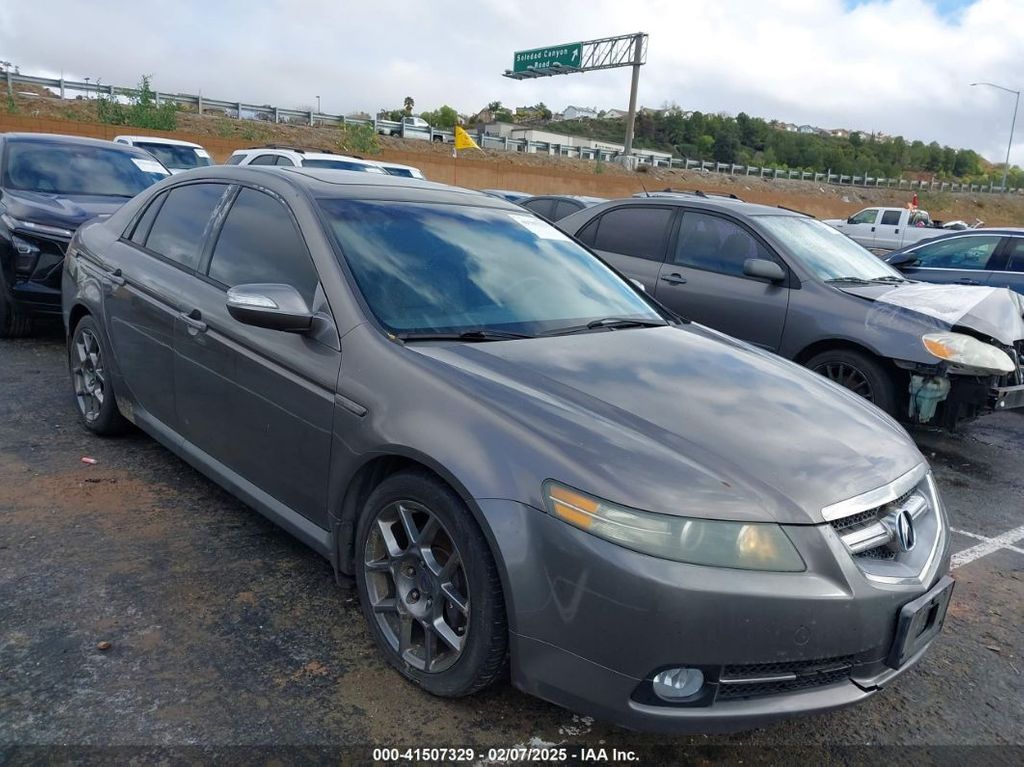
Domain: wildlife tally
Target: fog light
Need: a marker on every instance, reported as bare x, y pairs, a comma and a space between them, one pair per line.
678, 683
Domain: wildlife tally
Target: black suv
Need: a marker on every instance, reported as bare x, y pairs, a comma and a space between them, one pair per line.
49, 185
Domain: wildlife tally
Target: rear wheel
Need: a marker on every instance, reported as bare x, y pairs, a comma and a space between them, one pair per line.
429, 587
860, 373
90, 378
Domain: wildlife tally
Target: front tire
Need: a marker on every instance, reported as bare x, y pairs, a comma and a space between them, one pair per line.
13, 324
88, 359
429, 586
860, 373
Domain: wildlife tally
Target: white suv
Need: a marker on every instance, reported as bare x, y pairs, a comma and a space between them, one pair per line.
300, 158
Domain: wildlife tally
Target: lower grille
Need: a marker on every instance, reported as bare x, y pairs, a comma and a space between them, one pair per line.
755, 680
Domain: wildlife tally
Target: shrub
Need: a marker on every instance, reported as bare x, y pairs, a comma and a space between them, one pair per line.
141, 111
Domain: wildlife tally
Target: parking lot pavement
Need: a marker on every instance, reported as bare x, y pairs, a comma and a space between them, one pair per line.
224, 630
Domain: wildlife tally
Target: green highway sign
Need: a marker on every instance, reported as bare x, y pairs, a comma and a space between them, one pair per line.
568, 55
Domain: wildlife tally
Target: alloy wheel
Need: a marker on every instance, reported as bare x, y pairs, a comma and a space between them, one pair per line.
849, 376
417, 586
89, 374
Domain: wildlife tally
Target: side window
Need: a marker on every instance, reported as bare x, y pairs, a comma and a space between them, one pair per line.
716, 244
565, 208
235, 159
282, 160
259, 242
891, 217
638, 231
145, 221
588, 234
957, 253
1016, 263
545, 208
265, 159
177, 231
864, 217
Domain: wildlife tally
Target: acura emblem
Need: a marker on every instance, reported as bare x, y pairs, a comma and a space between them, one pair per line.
905, 535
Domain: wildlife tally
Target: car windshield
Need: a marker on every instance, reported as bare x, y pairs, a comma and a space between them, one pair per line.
827, 252
177, 156
427, 268
341, 165
37, 166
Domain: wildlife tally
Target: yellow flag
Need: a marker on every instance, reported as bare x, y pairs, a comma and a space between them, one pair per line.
463, 140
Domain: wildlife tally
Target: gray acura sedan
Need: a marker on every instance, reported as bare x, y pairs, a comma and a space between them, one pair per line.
528, 466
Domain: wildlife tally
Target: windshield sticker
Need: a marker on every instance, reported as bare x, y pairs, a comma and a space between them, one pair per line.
543, 230
149, 166
202, 153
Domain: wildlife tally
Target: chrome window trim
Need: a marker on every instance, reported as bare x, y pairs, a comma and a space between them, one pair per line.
872, 499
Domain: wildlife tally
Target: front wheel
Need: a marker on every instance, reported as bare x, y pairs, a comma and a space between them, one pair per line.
13, 324
429, 587
90, 377
860, 373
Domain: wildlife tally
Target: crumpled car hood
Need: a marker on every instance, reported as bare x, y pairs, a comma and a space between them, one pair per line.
994, 312
678, 421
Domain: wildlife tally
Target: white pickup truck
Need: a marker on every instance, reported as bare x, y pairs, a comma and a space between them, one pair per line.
888, 228
414, 128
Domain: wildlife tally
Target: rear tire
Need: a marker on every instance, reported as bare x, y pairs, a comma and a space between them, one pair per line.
88, 360
429, 586
860, 373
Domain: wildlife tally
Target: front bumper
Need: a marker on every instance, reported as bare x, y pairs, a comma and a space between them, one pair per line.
1007, 397
591, 623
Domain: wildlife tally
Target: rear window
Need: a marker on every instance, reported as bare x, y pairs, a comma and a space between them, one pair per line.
342, 165
177, 156
68, 169
235, 159
641, 232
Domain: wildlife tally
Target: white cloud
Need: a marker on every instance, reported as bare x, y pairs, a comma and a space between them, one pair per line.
897, 66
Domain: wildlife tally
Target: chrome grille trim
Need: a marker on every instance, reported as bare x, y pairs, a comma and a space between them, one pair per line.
880, 496
882, 530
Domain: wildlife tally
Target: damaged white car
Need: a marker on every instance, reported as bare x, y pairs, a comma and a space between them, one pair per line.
924, 353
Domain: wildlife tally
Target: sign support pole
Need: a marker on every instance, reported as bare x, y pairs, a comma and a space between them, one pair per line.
631, 117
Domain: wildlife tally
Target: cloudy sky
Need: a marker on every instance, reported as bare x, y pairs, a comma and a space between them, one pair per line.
898, 66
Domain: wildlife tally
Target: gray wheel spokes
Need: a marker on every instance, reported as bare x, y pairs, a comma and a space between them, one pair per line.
89, 378
415, 582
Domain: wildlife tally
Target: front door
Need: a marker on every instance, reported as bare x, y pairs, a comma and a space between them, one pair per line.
704, 280
965, 260
259, 401
861, 227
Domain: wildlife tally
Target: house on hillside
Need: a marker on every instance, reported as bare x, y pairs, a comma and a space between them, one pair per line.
616, 114
839, 133
807, 129
579, 113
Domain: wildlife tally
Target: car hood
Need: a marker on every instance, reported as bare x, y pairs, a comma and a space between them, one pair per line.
994, 312
688, 422
64, 211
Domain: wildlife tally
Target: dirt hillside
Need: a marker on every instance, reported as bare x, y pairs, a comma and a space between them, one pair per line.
537, 174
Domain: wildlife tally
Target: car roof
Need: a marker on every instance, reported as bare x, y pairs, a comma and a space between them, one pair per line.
726, 205
945, 234
578, 197
160, 140
57, 138
350, 184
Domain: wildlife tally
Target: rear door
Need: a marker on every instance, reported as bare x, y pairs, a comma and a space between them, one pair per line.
965, 259
889, 230
633, 238
156, 259
1010, 268
704, 280
259, 401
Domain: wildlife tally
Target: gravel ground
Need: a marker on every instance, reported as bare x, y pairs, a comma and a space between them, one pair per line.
224, 631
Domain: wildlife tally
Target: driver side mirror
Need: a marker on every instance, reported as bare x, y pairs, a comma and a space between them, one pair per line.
638, 285
850, 220
764, 269
902, 259
270, 305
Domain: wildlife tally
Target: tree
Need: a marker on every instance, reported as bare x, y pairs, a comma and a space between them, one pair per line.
409, 104
727, 143
442, 117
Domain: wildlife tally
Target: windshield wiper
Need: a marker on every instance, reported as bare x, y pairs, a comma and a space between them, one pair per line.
479, 334
850, 280
612, 323
890, 279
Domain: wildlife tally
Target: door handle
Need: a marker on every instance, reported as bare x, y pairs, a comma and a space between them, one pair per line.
897, 230
968, 281
193, 321
674, 279
116, 278
872, 229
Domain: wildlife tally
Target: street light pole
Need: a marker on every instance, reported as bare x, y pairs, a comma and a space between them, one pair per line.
1013, 125
318, 105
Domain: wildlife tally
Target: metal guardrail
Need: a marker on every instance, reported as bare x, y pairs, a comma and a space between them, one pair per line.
267, 113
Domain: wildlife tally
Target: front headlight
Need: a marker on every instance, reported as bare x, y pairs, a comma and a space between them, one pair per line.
968, 352
713, 543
